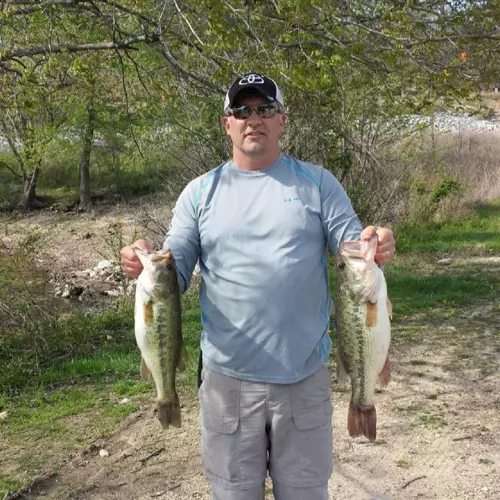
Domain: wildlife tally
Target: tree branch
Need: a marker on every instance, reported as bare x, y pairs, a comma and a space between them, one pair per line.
186, 20
127, 107
12, 146
121, 44
10, 169
38, 6
165, 52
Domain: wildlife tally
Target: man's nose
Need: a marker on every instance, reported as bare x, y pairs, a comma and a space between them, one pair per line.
254, 116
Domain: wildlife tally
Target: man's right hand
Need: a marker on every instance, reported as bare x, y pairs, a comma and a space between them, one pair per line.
131, 265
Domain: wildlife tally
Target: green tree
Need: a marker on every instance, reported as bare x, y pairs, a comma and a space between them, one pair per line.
346, 68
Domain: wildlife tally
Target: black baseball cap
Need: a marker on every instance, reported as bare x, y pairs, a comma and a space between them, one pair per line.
265, 86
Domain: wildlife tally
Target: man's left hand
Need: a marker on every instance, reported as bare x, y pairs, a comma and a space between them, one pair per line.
386, 247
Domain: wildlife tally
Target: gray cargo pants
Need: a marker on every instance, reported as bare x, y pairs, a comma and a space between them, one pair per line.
248, 428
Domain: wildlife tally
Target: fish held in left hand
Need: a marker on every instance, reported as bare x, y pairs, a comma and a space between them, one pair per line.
158, 330
362, 316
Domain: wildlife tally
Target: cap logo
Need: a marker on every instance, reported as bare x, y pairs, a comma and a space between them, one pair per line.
251, 79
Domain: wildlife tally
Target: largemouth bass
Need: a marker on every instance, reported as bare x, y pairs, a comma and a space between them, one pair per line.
158, 330
362, 317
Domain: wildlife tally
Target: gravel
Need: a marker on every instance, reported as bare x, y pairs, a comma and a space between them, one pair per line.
445, 122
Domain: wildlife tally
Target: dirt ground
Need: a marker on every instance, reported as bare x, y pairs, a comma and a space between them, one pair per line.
438, 420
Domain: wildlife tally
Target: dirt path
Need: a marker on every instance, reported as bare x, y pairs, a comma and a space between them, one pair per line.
438, 420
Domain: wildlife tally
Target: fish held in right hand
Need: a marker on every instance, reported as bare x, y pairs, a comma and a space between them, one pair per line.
158, 330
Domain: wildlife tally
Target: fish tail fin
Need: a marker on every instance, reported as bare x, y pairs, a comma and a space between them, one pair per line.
169, 413
385, 375
362, 422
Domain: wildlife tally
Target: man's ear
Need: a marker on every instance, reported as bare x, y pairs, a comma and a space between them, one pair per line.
283, 122
225, 122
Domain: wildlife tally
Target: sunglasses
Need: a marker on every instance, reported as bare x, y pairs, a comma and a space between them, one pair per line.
262, 110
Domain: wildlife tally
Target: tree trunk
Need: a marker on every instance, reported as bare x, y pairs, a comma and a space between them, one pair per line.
84, 167
29, 194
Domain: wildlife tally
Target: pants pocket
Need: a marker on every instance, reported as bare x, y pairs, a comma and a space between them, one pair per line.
310, 401
304, 458
220, 415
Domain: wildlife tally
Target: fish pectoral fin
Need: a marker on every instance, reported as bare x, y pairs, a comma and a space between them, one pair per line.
389, 307
145, 371
181, 365
371, 313
148, 314
384, 376
342, 375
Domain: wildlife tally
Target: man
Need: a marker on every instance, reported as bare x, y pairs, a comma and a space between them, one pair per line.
260, 225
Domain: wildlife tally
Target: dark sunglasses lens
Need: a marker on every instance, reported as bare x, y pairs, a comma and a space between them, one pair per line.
266, 110
242, 112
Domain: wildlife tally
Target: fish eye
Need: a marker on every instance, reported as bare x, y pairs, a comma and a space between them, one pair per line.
170, 267
341, 265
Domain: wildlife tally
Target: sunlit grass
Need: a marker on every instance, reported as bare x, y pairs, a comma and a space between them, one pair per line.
478, 234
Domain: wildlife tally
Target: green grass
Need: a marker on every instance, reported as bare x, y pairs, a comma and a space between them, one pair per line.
479, 233
63, 195
85, 348
402, 463
8, 485
431, 420
62, 382
414, 288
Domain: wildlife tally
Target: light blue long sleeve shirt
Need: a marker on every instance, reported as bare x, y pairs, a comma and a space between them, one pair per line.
261, 238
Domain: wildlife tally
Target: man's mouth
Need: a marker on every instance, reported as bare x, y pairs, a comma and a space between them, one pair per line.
254, 134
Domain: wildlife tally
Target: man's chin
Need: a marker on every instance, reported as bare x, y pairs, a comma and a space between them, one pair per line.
254, 150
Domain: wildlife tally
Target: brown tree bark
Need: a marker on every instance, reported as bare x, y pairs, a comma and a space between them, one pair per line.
84, 166
29, 201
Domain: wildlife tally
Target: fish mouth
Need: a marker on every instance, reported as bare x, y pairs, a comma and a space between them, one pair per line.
163, 255
351, 249
164, 258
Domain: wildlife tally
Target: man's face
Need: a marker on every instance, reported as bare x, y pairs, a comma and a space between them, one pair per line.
255, 136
